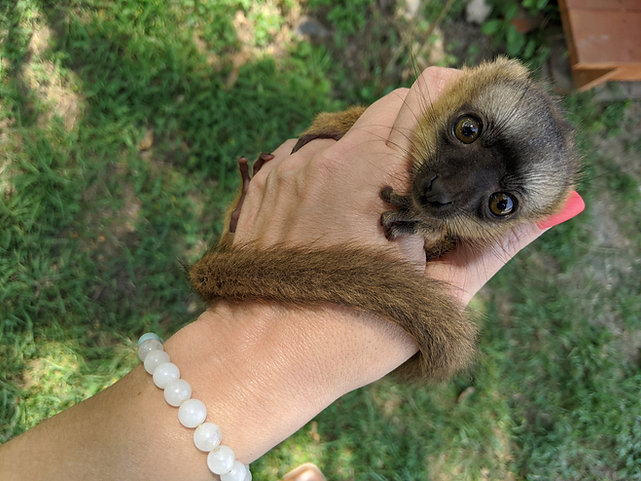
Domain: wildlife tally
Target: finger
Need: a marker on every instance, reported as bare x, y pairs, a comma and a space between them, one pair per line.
281, 153
412, 250
467, 269
376, 123
470, 270
573, 206
426, 90
364, 146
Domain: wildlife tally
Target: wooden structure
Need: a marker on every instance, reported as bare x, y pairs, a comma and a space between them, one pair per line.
604, 40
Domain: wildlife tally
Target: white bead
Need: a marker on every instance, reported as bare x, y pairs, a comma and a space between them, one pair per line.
177, 392
207, 436
147, 346
237, 472
148, 335
165, 373
191, 413
154, 359
220, 460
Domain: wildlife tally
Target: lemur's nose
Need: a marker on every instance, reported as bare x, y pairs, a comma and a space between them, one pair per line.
435, 193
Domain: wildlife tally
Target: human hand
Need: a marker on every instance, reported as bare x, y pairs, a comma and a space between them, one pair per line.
327, 193
466, 270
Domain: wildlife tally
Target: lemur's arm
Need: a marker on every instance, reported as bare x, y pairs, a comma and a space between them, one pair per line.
330, 125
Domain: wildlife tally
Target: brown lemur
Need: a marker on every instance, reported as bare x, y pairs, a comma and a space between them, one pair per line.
492, 152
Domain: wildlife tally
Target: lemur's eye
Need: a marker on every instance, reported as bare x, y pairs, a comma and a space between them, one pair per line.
501, 204
467, 129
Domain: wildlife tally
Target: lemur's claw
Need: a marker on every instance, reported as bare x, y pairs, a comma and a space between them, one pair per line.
262, 159
306, 138
396, 224
243, 167
399, 221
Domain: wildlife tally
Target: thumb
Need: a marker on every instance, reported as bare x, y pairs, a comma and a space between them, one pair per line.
467, 269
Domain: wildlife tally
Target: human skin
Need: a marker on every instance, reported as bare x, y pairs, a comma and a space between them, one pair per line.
265, 369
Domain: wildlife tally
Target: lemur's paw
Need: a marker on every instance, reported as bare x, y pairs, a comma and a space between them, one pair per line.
262, 159
400, 221
307, 138
243, 167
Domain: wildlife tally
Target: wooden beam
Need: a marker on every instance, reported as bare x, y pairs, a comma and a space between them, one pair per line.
604, 40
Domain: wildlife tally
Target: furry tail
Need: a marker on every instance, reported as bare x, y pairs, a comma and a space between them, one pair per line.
354, 277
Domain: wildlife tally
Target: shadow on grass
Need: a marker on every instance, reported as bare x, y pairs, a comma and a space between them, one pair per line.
140, 72
95, 223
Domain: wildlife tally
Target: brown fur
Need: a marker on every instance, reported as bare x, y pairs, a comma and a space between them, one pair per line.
370, 281
522, 126
330, 125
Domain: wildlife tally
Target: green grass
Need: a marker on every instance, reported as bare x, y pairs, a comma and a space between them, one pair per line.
120, 123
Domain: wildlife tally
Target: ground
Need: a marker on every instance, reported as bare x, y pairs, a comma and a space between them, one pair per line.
119, 130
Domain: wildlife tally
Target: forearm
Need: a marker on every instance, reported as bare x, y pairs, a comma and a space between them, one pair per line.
262, 370
270, 369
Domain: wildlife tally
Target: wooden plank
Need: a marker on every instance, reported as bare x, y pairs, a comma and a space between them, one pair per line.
586, 79
606, 36
601, 4
569, 34
604, 40
627, 73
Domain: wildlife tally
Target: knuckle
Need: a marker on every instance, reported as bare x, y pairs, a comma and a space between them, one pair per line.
259, 180
283, 176
400, 92
325, 166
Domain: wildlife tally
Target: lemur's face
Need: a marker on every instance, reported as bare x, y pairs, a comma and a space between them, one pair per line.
493, 151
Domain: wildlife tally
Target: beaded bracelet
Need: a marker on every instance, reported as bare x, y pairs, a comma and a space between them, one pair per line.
191, 412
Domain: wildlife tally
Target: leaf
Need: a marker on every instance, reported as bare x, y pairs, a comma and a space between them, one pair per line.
511, 10
515, 41
491, 27
541, 4
530, 48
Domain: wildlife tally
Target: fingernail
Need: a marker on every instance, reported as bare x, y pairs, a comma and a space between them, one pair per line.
573, 207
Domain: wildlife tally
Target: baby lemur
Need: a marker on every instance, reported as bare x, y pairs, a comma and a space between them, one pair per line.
492, 152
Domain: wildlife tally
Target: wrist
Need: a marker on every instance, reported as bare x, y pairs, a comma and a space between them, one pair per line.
264, 370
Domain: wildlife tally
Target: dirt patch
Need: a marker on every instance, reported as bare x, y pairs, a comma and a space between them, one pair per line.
255, 39
607, 233
8, 143
467, 44
56, 91
624, 149
614, 227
